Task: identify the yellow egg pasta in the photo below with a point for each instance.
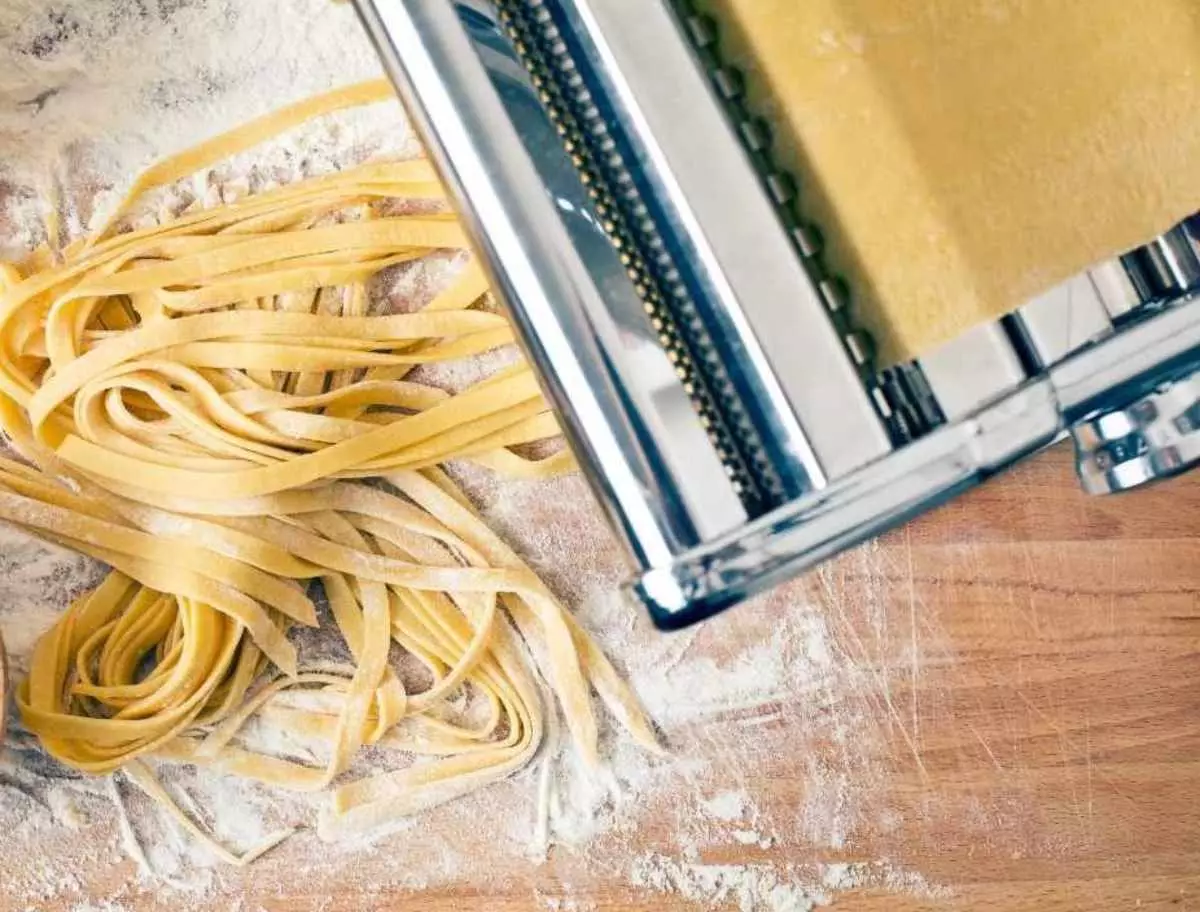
(214, 407)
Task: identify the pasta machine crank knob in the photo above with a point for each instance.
(1154, 437)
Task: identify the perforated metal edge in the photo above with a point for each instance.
(899, 393)
(624, 216)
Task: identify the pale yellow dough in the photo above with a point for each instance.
(964, 155)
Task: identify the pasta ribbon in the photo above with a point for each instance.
(219, 409)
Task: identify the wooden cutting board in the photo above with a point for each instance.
(1035, 740)
(1062, 702)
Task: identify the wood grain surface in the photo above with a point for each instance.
(1027, 665)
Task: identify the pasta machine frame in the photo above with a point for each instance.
(705, 366)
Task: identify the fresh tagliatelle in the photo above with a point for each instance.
(210, 406)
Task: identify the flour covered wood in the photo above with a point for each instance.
(91, 91)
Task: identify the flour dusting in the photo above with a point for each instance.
(93, 91)
(759, 804)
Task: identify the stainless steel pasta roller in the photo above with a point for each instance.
(709, 375)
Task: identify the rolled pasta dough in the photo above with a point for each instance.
(963, 155)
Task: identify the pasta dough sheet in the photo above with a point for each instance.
(963, 155)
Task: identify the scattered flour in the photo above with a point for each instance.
(103, 906)
(556, 904)
(66, 809)
(704, 825)
(730, 806)
(90, 92)
(748, 888)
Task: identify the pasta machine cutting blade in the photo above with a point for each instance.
(707, 370)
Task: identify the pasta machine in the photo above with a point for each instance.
(733, 420)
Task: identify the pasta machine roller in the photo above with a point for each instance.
(706, 369)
